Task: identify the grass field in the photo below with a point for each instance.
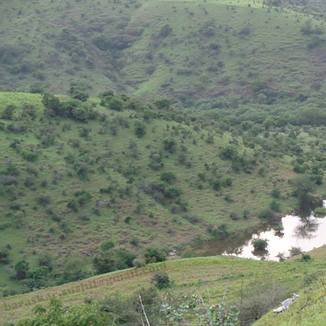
(213, 277)
(309, 310)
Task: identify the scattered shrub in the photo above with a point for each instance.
(79, 91)
(113, 259)
(21, 269)
(275, 206)
(8, 112)
(266, 214)
(305, 258)
(168, 177)
(4, 256)
(140, 129)
(154, 255)
(161, 280)
(260, 245)
(220, 232)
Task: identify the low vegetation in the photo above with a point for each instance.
(196, 291)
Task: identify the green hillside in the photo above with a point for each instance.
(138, 138)
(256, 286)
(312, 7)
(309, 310)
(219, 53)
(75, 185)
(139, 178)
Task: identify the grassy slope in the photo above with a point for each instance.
(188, 68)
(314, 7)
(309, 310)
(79, 233)
(212, 277)
(204, 57)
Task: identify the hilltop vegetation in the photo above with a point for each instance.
(206, 53)
(314, 7)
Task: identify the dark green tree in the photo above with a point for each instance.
(79, 91)
(161, 280)
(22, 269)
(154, 255)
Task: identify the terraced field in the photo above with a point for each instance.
(212, 277)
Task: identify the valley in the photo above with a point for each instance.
(162, 162)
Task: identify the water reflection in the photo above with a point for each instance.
(304, 234)
(307, 229)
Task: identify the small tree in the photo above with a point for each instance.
(21, 269)
(52, 104)
(303, 187)
(4, 256)
(275, 206)
(153, 255)
(260, 245)
(30, 111)
(107, 245)
(219, 233)
(266, 214)
(74, 270)
(79, 91)
(170, 145)
(115, 104)
(161, 280)
(162, 104)
(44, 200)
(8, 112)
(305, 258)
(276, 193)
(168, 177)
(295, 251)
(113, 259)
(46, 261)
(140, 129)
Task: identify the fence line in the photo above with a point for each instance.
(35, 298)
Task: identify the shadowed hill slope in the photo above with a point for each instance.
(214, 53)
